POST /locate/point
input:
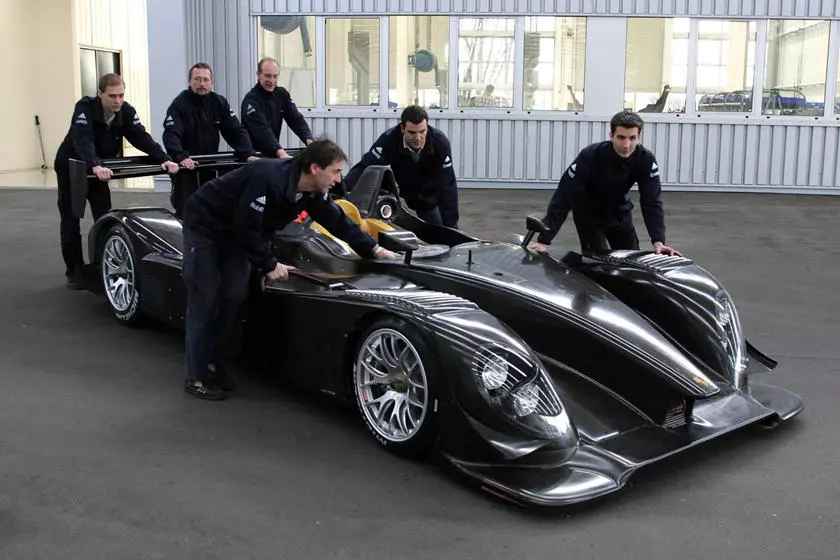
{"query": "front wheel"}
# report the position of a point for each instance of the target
(394, 383)
(120, 276)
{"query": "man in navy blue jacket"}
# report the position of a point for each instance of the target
(421, 159)
(227, 225)
(97, 129)
(192, 125)
(596, 189)
(264, 109)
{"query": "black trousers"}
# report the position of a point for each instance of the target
(99, 197)
(216, 274)
(598, 236)
(184, 185)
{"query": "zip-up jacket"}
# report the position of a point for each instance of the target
(263, 113)
(596, 187)
(91, 139)
(193, 123)
(258, 199)
(425, 184)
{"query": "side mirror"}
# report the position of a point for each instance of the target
(398, 241)
(534, 225)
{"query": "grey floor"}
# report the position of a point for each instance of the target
(102, 456)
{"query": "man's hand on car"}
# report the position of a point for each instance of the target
(188, 163)
(102, 173)
(280, 272)
(661, 249)
(383, 253)
(537, 246)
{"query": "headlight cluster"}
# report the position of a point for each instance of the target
(516, 386)
(732, 337)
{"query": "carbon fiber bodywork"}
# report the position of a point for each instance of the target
(629, 357)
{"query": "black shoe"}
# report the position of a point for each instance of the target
(73, 283)
(218, 376)
(204, 390)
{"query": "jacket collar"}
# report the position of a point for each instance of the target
(428, 148)
(99, 112)
(259, 90)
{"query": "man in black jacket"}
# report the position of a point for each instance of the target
(97, 129)
(227, 226)
(421, 159)
(596, 188)
(264, 109)
(192, 126)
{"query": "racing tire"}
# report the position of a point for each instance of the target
(395, 387)
(386, 207)
(120, 276)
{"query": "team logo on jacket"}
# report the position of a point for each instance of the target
(232, 114)
(136, 121)
(250, 110)
(81, 119)
(259, 204)
(654, 170)
(572, 170)
(447, 162)
(169, 121)
(377, 152)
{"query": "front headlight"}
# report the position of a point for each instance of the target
(732, 338)
(516, 386)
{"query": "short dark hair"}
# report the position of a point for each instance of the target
(263, 61)
(626, 119)
(322, 151)
(202, 65)
(110, 80)
(413, 114)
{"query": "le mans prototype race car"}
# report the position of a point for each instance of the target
(543, 379)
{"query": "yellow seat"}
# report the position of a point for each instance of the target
(371, 226)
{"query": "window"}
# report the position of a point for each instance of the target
(352, 71)
(657, 65)
(95, 64)
(725, 65)
(486, 52)
(419, 61)
(554, 63)
(290, 40)
(797, 60)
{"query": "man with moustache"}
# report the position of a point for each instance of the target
(596, 189)
(228, 223)
(192, 126)
(96, 132)
(266, 106)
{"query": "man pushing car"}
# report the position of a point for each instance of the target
(227, 225)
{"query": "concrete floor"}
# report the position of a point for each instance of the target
(102, 456)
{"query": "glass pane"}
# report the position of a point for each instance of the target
(657, 65)
(726, 64)
(555, 49)
(486, 53)
(419, 61)
(837, 91)
(797, 60)
(352, 70)
(290, 40)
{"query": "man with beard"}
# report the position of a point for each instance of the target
(227, 227)
(264, 109)
(192, 126)
(596, 189)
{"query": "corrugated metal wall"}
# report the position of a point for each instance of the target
(746, 8)
(793, 156)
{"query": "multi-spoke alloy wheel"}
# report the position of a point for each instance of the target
(393, 389)
(119, 277)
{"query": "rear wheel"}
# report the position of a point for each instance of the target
(395, 387)
(120, 276)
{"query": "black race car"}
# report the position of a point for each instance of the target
(544, 379)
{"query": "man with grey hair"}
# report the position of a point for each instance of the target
(266, 106)
(596, 189)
